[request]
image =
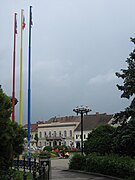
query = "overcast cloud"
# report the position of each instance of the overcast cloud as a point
(77, 46)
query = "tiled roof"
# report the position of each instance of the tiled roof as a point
(65, 119)
(93, 121)
(89, 121)
(33, 127)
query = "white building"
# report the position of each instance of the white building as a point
(90, 122)
(58, 131)
(67, 130)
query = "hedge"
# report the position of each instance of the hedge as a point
(77, 162)
(113, 165)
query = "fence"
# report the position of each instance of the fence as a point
(40, 170)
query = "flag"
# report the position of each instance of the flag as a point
(31, 22)
(15, 24)
(23, 23)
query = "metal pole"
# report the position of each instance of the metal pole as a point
(82, 133)
(29, 84)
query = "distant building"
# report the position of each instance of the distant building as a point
(90, 122)
(58, 131)
(66, 130)
(33, 132)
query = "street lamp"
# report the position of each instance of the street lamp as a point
(82, 110)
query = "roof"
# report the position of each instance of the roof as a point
(89, 121)
(34, 127)
(66, 119)
(93, 121)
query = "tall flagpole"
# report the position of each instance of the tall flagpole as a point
(20, 107)
(14, 63)
(21, 44)
(29, 82)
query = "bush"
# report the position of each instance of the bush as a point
(47, 148)
(77, 162)
(113, 165)
(100, 140)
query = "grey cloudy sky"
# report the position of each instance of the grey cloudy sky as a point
(77, 46)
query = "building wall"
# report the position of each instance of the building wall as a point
(77, 138)
(56, 134)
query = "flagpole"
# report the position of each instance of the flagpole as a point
(14, 63)
(20, 107)
(29, 82)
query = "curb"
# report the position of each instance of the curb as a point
(96, 174)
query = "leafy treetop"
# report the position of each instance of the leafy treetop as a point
(128, 87)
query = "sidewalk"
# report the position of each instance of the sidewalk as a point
(59, 171)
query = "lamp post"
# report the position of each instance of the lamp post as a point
(82, 110)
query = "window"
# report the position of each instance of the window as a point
(84, 136)
(54, 134)
(59, 143)
(49, 133)
(65, 143)
(40, 144)
(65, 133)
(45, 134)
(59, 133)
(70, 133)
(40, 134)
(76, 136)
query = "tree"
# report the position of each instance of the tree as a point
(100, 140)
(128, 88)
(11, 134)
(124, 141)
(125, 134)
(5, 105)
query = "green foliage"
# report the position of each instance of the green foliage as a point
(125, 139)
(18, 138)
(11, 134)
(128, 87)
(12, 140)
(5, 105)
(77, 162)
(17, 175)
(47, 148)
(113, 165)
(61, 147)
(100, 140)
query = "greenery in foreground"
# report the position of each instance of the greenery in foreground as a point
(110, 150)
(17, 175)
(11, 134)
(112, 165)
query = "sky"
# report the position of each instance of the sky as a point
(77, 46)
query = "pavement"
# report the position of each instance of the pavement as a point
(60, 170)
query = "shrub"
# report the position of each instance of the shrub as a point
(77, 162)
(113, 165)
(100, 140)
(47, 148)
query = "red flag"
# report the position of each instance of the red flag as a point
(23, 23)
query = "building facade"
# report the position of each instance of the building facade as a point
(66, 130)
(58, 131)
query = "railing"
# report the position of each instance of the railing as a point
(39, 170)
